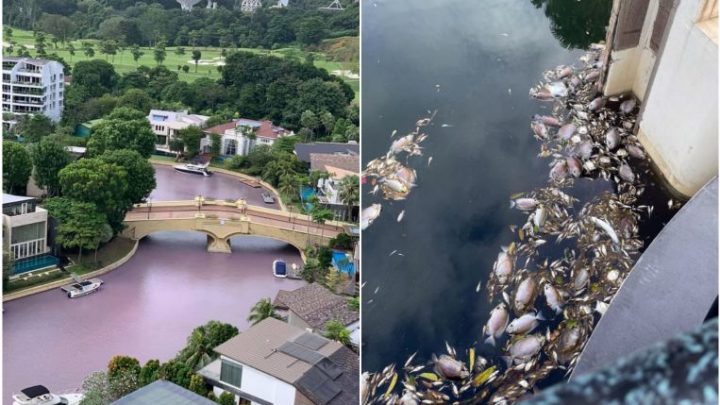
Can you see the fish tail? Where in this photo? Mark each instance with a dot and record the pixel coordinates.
(512, 203)
(490, 340)
(540, 317)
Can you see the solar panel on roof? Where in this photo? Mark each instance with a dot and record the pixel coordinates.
(300, 352)
(311, 341)
(319, 386)
(329, 367)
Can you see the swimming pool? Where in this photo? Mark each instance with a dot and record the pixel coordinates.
(34, 263)
(343, 262)
(306, 194)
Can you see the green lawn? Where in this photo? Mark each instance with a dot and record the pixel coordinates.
(124, 62)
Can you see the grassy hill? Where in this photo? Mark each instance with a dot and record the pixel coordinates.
(334, 60)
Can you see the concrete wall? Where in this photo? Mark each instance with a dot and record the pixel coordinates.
(679, 124)
(262, 386)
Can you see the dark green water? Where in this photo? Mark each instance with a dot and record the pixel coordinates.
(484, 55)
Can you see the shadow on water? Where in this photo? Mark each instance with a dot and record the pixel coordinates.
(576, 24)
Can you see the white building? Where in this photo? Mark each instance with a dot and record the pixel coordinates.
(25, 227)
(277, 363)
(665, 52)
(240, 136)
(338, 166)
(165, 125)
(33, 86)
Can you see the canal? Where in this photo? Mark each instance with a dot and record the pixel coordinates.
(474, 63)
(148, 307)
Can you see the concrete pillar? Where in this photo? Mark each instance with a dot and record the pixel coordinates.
(218, 245)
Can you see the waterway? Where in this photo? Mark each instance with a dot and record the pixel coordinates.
(148, 306)
(473, 62)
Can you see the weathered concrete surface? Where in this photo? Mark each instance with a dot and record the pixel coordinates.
(670, 290)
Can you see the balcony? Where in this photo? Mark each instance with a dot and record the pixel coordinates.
(27, 83)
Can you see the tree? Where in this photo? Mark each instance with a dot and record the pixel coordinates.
(159, 52)
(8, 31)
(59, 26)
(17, 167)
(349, 193)
(354, 304)
(197, 385)
(176, 145)
(35, 127)
(332, 279)
(116, 133)
(7, 263)
(309, 120)
(96, 76)
(199, 350)
(140, 173)
(93, 180)
(196, 55)
(287, 185)
(148, 372)
(226, 398)
(335, 330)
(49, 157)
(215, 144)
(310, 30)
(88, 50)
(263, 309)
(137, 99)
(96, 389)
(320, 216)
(328, 122)
(191, 137)
(109, 47)
(185, 68)
(81, 227)
(122, 364)
(71, 50)
(136, 53)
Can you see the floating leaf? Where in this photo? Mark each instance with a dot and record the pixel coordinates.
(472, 358)
(482, 377)
(393, 381)
(429, 376)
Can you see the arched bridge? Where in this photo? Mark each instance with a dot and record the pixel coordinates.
(222, 219)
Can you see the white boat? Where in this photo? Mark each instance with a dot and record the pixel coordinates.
(39, 395)
(193, 169)
(267, 198)
(279, 269)
(82, 288)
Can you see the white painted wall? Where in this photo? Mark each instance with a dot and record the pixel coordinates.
(679, 125)
(263, 386)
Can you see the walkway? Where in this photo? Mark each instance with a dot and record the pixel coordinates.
(670, 290)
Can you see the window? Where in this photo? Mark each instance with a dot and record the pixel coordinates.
(231, 147)
(231, 373)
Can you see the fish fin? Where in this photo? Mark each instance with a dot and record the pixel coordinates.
(490, 340)
(540, 317)
(512, 204)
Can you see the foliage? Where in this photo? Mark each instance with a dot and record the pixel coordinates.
(197, 385)
(263, 309)
(96, 388)
(215, 144)
(7, 263)
(149, 372)
(35, 127)
(116, 133)
(137, 99)
(122, 364)
(349, 193)
(226, 398)
(336, 331)
(332, 280)
(97, 77)
(202, 341)
(81, 227)
(191, 137)
(140, 173)
(354, 303)
(49, 157)
(17, 167)
(342, 242)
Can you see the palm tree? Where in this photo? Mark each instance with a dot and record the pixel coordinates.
(199, 349)
(320, 216)
(287, 185)
(349, 193)
(337, 331)
(263, 309)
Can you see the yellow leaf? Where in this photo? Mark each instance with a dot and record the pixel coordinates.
(429, 376)
(393, 381)
(482, 377)
(472, 358)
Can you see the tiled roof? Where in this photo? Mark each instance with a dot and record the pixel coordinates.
(258, 347)
(220, 129)
(265, 129)
(316, 305)
(163, 392)
(324, 161)
(303, 150)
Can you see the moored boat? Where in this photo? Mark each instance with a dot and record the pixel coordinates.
(279, 269)
(193, 169)
(82, 288)
(40, 395)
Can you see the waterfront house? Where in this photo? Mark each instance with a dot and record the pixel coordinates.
(166, 124)
(274, 362)
(665, 53)
(303, 150)
(338, 166)
(238, 137)
(25, 227)
(312, 306)
(32, 86)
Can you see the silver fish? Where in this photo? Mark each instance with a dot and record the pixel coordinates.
(628, 106)
(547, 120)
(553, 298)
(539, 129)
(539, 217)
(596, 104)
(574, 166)
(401, 216)
(524, 324)
(626, 173)
(394, 185)
(449, 368)
(566, 131)
(525, 348)
(635, 151)
(559, 170)
(503, 267)
(525, 294)
(524, 204)
(612, 138)
(607, 228)
(369, 215)
(497, 323)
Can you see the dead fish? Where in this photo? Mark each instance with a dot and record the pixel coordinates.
(564, 71)
(574, 166)
(541, 94)
(497, 323)
(423, 122)
(596, 104)
(524, 204)
(566, 131)
(581, 279)
(539, 129)
(553, 298)
(557, 89)
(503, 267)
(583, 150)
(635, 151)
(402, 144)
(592, 75)
(401, 215)
(559, 170)
(628, 106)
(449, 368)
(612, 138)
(525, 294)
(539, 217)
(524, 349)
(394, 185)
(525, 323)
(369, 215)
(429, 161)
(547, 120)
(607, 228)
(601, 307)
(626, 173)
